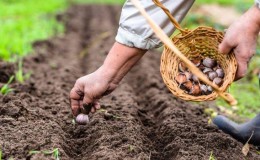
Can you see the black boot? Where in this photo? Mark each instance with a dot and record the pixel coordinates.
(240, 132)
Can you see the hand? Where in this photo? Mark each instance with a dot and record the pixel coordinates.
(89, 89)
(241, 36)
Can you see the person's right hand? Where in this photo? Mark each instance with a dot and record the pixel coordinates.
(241, 36)
(88, 90)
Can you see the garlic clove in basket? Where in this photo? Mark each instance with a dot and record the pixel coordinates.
(196, 62)
(206, 70)
(204, 89)
(182, 67)
(188, 75)
(210, 89)
(187, 86)
(218, 81)
(212, 75)
(220, 72)
(195, 90)
(195, 78)
(210, 63)
(181, 78)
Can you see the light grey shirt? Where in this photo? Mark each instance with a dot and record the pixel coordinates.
(134, 31)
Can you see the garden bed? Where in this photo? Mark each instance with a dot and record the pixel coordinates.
(148, 122)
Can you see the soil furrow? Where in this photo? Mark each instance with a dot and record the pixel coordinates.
(139, 120)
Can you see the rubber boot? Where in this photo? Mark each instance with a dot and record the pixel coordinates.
(240, 132)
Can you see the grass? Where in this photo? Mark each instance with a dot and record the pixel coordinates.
(211, 157)
(55, 153)
(23, 22)
(247, 92)
(20, 76)
(6, 89)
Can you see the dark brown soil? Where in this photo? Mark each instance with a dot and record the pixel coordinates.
(147, 121)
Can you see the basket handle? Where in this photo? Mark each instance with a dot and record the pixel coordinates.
(172, 19)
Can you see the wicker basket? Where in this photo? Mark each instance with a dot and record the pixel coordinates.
(198, 43)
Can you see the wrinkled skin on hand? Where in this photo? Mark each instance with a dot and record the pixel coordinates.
(241, 36)
(88, 89)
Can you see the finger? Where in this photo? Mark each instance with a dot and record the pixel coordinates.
(75, 107)
(243, 55)
(225, 46)
(75, 96)
(93, 109)
(97, 105)
(86, 108)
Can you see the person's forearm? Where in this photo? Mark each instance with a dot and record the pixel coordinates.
(119, 61)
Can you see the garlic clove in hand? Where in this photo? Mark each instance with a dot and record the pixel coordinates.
(82, 119)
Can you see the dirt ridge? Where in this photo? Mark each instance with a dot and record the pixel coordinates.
(145, 122)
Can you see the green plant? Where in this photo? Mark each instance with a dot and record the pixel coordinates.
(54, 153)
(0, 154)
(19, 75)
(6, 89)
(211, 157)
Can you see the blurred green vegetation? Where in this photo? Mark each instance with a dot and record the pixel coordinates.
(24, 21)
(246, 91)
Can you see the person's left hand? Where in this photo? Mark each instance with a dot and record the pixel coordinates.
(241, 36)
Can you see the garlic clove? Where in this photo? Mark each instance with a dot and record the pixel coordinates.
(208, 62)
(180, 78)
(195, 78)
(82, 119)
(187, 86)
(196, 62)
(212, 75)
(206, 70)
(210, 90)
(203, 88)
(188, 75)
(220, 73)
(195, 90)
(218, 81)
(201, 67)
(182, 67)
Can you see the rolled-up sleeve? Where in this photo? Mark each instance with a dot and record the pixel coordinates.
(257, 2)
(134, 31)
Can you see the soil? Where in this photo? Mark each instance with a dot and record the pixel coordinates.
(144, 120)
